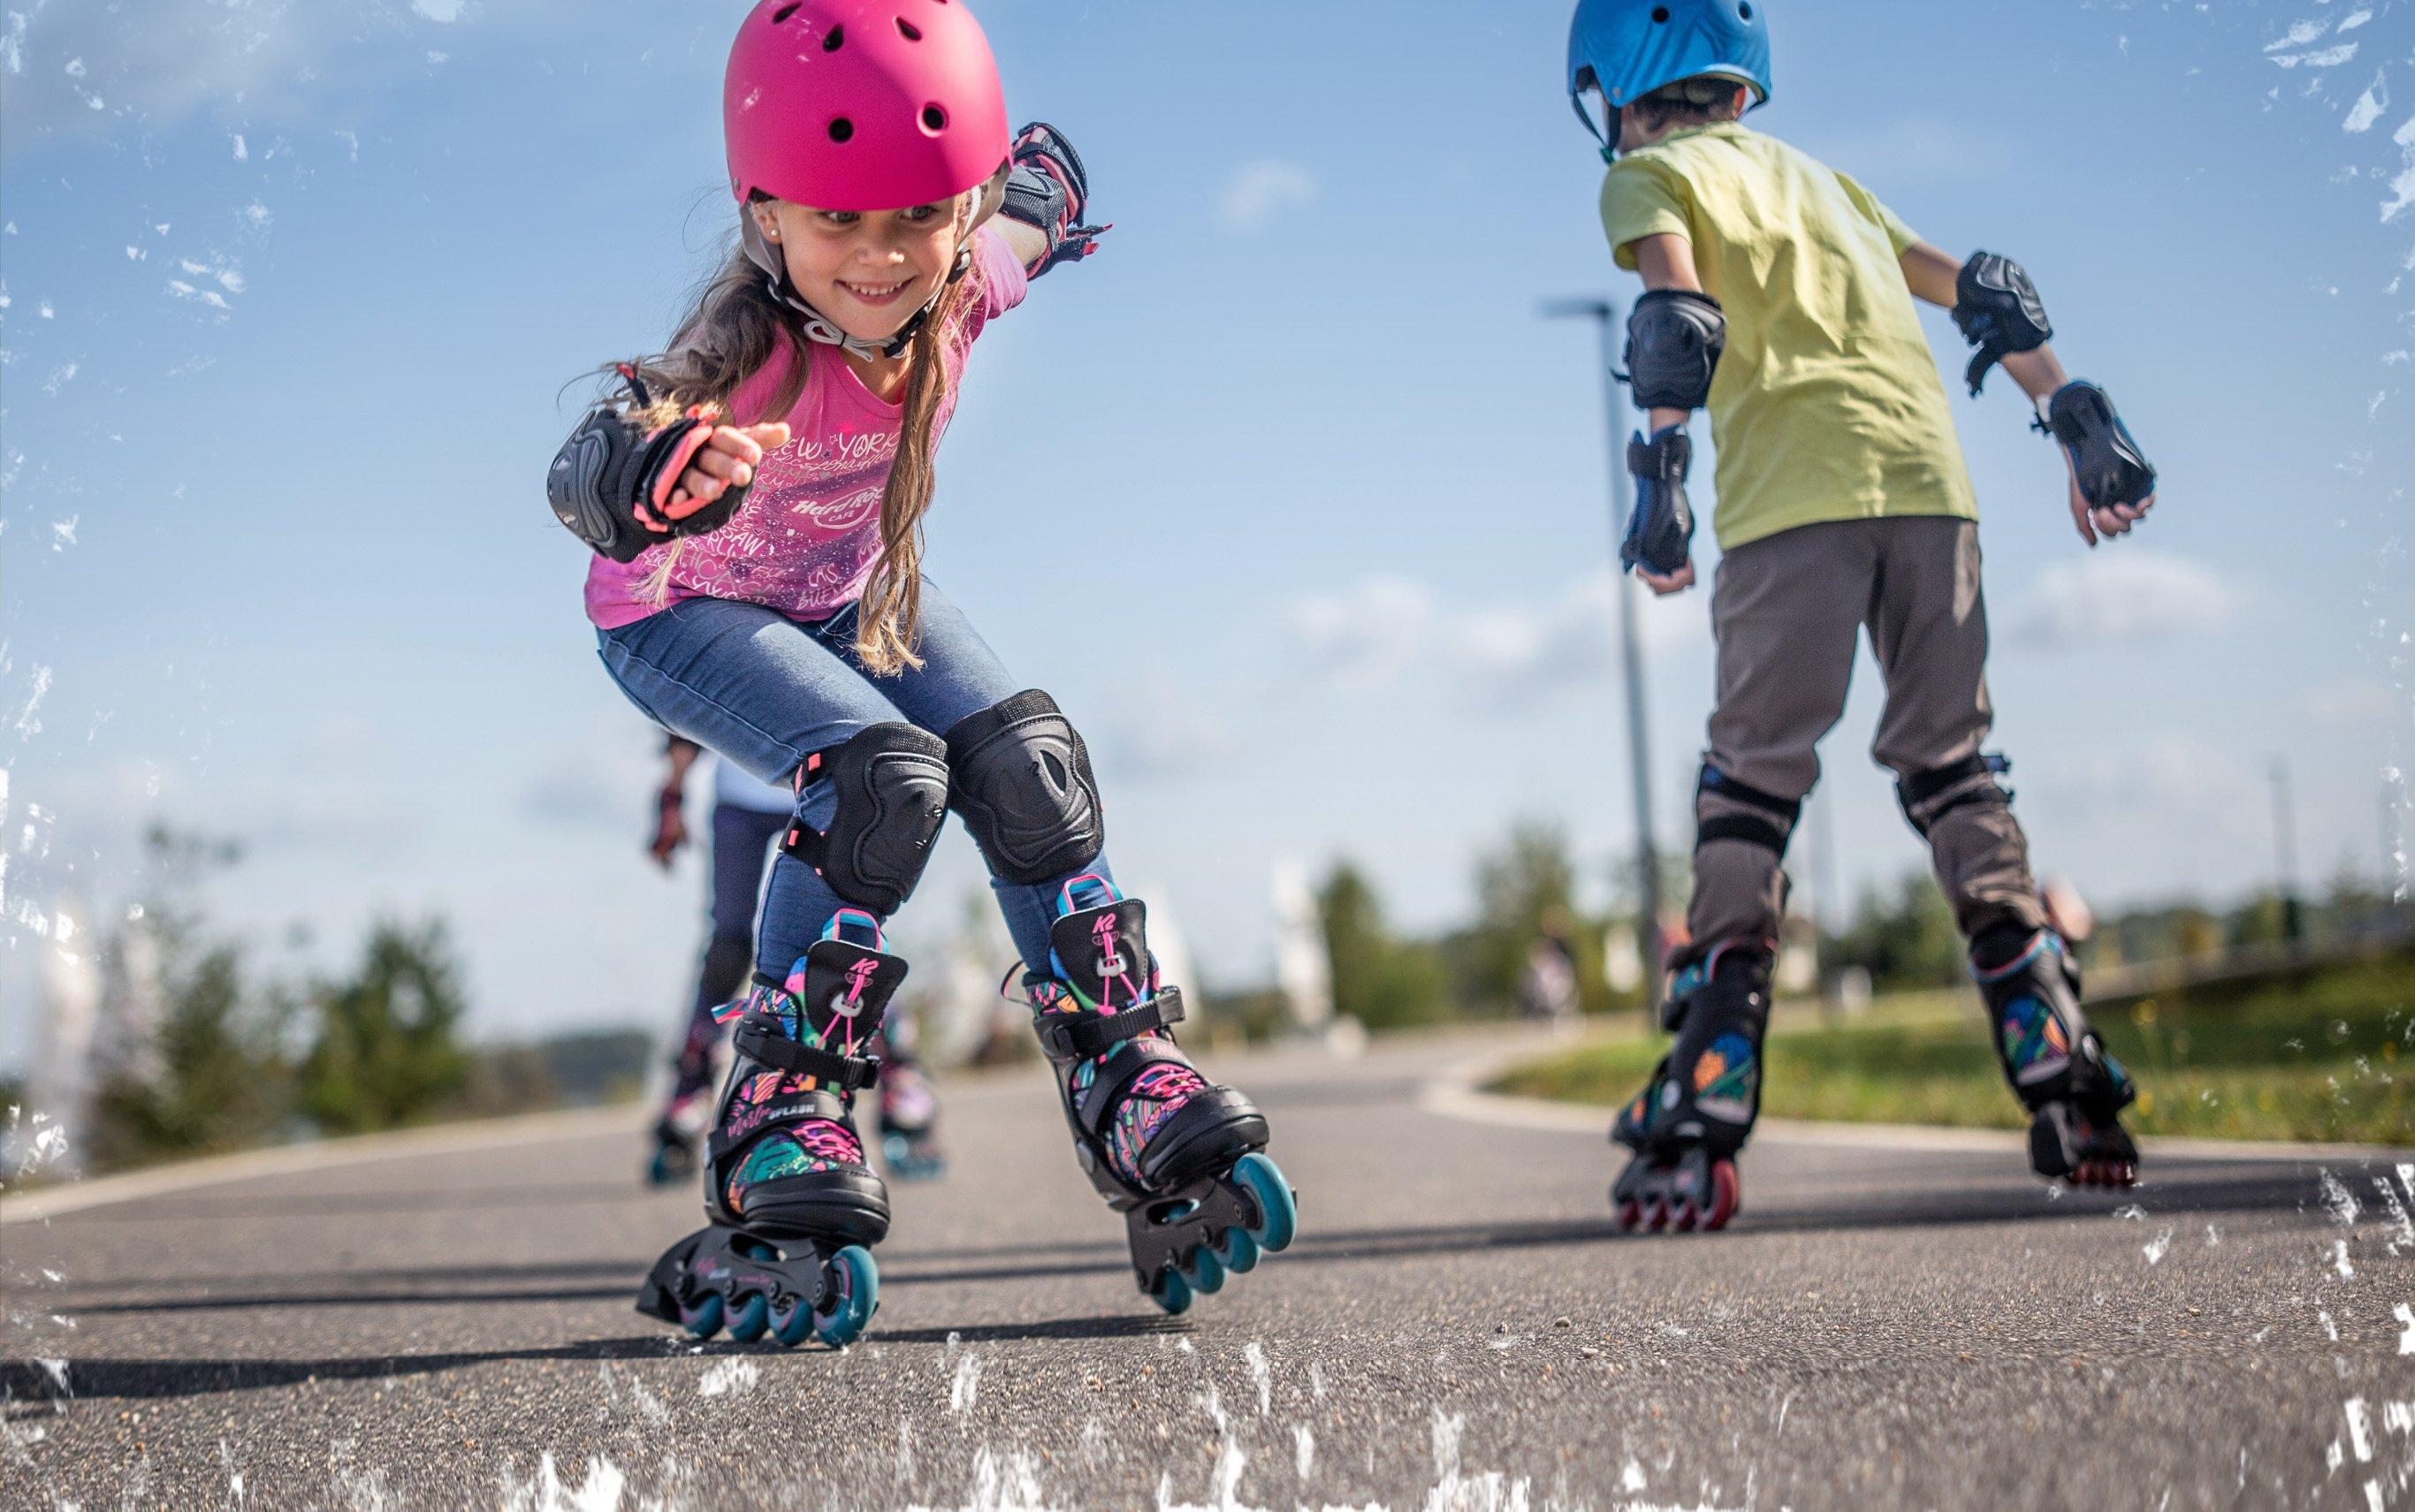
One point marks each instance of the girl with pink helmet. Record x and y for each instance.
(754, 499)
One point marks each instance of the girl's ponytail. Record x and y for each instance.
(888, 616)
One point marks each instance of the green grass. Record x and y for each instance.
(2324, 1053)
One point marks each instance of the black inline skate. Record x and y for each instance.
(1686, 1125)
(792, 1201)
(2074, 1089)
(1182, 1159)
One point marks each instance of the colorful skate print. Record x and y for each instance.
(1727, 1078)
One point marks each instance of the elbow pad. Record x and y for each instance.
(1998, 311)
(1047, 190)
(611, 467)
(1674, 338)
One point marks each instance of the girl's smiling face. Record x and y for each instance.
(868, 270)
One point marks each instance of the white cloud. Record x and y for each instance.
(2120, 593)
(2352, 701)
(1384, 630)
(83, 67)
(1256, 193)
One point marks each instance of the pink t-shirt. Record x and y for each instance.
(809, 532)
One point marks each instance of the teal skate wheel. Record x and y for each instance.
(704, 1320)
(855, 1281)
(1173, 1294)
(792, 1325)
(1278, 1217)
(1206, 1273)
(1237, 1250)
(753, 1316)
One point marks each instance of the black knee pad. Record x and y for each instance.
(1022, 781)
(1928, 796)
(727, 958)
(892, 796)
(1770, 825)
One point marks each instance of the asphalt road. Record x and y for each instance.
(1892, 1321)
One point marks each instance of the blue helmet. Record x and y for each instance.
(1628, 48)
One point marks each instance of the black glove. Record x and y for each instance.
(614, 475)
(2108, 464)
(1047, 190)
(1661, 533)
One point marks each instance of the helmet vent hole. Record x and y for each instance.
(834, 40)
(935, 120)
(908, 30)
(786, 11)
(1745, 11)
(841, 129)
(1660, 15)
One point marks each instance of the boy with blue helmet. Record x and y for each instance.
(1779, 296)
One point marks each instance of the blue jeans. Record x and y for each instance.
(766, 692)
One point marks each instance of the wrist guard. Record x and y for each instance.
(1661, 531)
(2108, 464)
(1998, 311)
(612, 475)
(1046, 189)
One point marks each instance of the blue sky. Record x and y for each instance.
(1288, 495)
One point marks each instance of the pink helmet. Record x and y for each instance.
(862, 104)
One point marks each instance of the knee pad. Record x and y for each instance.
(1770, 823)
(891, 782)
(1928, 796)
(1022, 780)
(727, 958)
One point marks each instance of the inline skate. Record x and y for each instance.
(2074, 1089)
(1183, 1160)
(792, 1202)
(1685, 1127)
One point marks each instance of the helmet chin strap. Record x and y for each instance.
(821, 327)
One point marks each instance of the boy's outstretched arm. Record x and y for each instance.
(1674, 338)
(1998, 310)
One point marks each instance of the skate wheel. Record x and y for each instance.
(751, 1317)
(1727, 1195)
(703, 1321)
(1238, 1251)
(1204, 1272)
(1681, 1215)
(1655, 1216)
(1173, 1294)
(1278, 1214)
(855, 1284)
(1630, 1214)
(792, 1325)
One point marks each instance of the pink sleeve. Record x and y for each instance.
(1003, 282)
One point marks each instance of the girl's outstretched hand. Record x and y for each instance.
(727, 459)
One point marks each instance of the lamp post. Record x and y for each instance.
(1605, 316)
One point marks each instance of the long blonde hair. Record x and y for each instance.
(737, 327)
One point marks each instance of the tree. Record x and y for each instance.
(1378, 980)
(1903, 938)
(385, 1052)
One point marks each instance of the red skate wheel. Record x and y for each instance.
(1727, 1195)
(1630, 1213)
(1654, 1215)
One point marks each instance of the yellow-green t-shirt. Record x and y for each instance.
(1827, 405)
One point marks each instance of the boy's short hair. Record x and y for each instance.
(1695, 101)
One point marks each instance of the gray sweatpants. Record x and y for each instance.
(1788, 610)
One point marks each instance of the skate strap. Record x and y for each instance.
(763, 1040)
(1080, 1036)
(1124, 1062)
